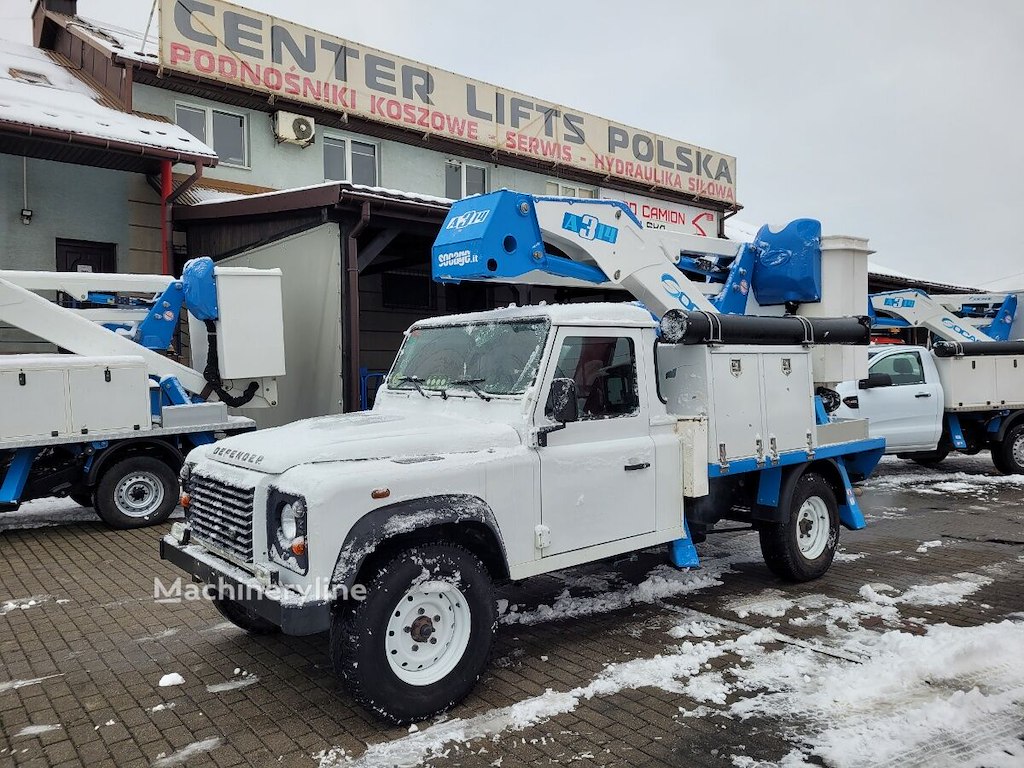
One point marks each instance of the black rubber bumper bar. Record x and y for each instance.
(683, 327)
(974, 348)
(307, 618)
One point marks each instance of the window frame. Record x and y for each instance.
(562, 186)
(462, 165)
(348, 142)
(912, 353)
(631, 342)
(209, 140)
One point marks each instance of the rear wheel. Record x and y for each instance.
(801, 546)
(1008, 454)
(420, 640)
(136, 492)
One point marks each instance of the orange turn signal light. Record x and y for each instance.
(185, 500)
(380, 493)
(298, 546)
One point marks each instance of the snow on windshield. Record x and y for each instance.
(499, 358)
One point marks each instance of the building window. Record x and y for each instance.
(32, 78)
(557, 189)
(226, 132)
(462, 180)
(340, 155)
(407, 290)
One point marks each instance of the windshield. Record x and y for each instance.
(496, 358)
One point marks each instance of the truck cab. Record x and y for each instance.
(901, 398)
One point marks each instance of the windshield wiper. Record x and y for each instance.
(415, 381)
(473, 384)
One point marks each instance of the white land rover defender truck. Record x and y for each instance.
(511, 443)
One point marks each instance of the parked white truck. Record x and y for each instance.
(954, 397)
(516, 442)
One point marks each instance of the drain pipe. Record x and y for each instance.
(350, 310)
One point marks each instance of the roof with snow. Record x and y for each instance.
(47, 110)
(596, 313)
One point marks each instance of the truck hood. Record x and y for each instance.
(359, 436)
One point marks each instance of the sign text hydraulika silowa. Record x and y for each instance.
(231, 44)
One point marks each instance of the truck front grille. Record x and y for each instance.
(220, 515)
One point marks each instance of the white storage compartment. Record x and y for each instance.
(60, 396)
(751, 396)
(982, 382)
(32, 399)
(250, 331)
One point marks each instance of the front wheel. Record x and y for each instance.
(136, 492)
(421, 639)
(801, 546)
(1008, 453)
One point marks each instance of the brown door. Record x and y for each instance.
(86, 256)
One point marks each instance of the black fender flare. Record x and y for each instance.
(411, 517)
(106, 456)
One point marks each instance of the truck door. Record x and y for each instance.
(598, 474)
(907, 413)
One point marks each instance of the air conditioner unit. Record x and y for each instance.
(294, 129)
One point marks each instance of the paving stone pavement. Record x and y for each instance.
(83, 645)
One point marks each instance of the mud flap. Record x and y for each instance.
(682, 553)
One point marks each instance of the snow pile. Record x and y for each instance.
(170, 679)
(946, 694)
(926, 545)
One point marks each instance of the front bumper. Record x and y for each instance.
(292, 616)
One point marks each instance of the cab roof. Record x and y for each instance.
(592, 314)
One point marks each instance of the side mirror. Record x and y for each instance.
(562, 405)
(875, 380)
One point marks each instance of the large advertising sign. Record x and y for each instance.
(227, 43)
(659, 214)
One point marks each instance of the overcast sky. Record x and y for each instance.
(895, 120)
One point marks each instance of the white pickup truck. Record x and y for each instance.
(926, 406)
(503, 445)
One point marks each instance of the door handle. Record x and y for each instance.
(923, 394)
(634, 467)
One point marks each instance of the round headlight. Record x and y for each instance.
(289, 526)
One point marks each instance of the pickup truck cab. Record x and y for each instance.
(503, 445)
(905, 402)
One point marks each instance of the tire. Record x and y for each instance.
(1008, 453)
(376, 642)
(242, 618)
(82, 498)
(927, 458)
(798, 557)
(136, 492)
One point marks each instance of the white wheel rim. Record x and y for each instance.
(427, 633)
(1018, 450)
(139, 494)
(812, 527)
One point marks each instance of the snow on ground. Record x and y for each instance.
(172, 678)
(946, 483)
(662, 582)
(13, 685)
(23, 603)
(951, 696)
(183, 755)
(36, 730)
(242, 681)
(45, 513)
